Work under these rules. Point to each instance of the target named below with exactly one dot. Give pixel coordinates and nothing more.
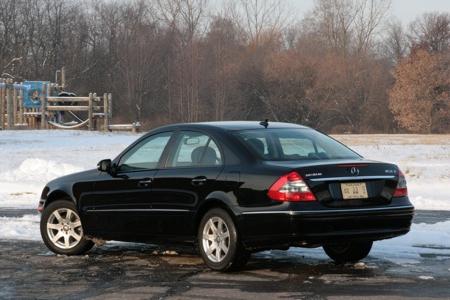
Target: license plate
(356, 190)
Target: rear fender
(217, 199)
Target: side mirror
(105, 165)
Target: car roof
(231, 125)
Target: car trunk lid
(343, 183)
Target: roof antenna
(264, 123)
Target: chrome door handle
(199, 180)
(145, 182)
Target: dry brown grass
(393, 139)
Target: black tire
(348, 252)
(81, 247)
(236, 257)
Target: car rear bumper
(281, 228)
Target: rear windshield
(294, 144)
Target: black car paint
(119, 207)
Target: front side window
(294, 144)
(146, 154)
(195, 149)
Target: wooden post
(14, 106)
(94, 107)
(110, 108)
(105, 112)
(2, 107)
(21, 111)
(63, 78)
(90, 112)
(34, 118)
(44, 107)
(9, 108)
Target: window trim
(161, 159)
(277, 148)
(172, 150)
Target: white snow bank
(38, 170)
(23, 228)
(32, 158)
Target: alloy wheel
(64, 228)
(216, 239)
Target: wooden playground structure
(44, 105)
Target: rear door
(192, 167)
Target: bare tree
(174, 60)
(260, 19)
(432, 31)
(396, 42)
(348, 25)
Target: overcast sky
(404, 10)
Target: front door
(121, 203)
(190, 174)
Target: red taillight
(401, 190)
(292, 188)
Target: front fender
(53, 193)
(68, 187)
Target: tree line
(345, 66)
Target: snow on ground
(32, 158)
(424, 240)
(29, 159)
(425, 160)
(20, 228)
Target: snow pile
(23, 228)
(38, 170)
(32, 158)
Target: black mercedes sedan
(230, 189)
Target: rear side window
(293, 144)
(195, 149)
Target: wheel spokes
(209, 237)
(67, 240)
(58, 216)
(223, 247)
(220, 226)
(226, 235)
(54, 226)
(212, 226)
(77, 237)
(64, 232)
(68, 215)
(211, 249)
(56, 238)
(76, 224)
(216, 239)
(218, 254)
